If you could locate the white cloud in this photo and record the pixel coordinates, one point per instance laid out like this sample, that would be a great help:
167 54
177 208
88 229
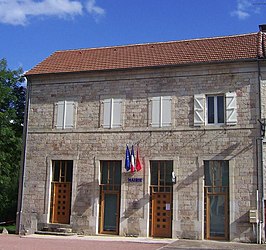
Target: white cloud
244 9
94 10
17 12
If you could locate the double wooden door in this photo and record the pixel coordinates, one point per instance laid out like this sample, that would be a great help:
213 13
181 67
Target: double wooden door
161 215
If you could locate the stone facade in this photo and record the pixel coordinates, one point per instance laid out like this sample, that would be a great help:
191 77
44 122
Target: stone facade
188 146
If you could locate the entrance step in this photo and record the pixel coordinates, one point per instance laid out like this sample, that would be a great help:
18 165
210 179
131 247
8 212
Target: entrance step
56 230
55 233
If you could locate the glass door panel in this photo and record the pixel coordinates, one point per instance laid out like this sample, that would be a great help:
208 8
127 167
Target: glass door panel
217 215
110 212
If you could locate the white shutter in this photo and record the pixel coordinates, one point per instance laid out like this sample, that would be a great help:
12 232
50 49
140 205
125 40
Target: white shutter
231 108
166 109
117 109
199 110
107 113
60 108
155 111
69 114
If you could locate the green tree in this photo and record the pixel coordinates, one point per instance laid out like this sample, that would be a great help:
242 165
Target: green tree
12 104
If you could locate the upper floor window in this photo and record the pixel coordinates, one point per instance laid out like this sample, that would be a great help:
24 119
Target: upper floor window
65 114
215 109
161 109
112 113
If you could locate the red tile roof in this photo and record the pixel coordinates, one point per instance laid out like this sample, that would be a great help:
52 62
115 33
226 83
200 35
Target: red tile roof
208 50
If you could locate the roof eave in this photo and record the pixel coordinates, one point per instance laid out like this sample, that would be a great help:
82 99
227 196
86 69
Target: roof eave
147 67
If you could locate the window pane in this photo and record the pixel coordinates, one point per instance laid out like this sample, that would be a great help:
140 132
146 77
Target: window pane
225 173
154 173
162 173
69 171
55 170
117 173
210 109
220 109
168 174
207 173
104 170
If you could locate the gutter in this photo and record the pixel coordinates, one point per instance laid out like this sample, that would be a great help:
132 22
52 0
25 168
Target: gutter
19 226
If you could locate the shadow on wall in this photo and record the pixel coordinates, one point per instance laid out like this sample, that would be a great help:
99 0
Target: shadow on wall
134 206
85 198
243 231
200 168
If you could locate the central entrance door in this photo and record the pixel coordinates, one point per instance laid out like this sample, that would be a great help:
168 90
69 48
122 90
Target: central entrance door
61 186
110 197
216 200
161 201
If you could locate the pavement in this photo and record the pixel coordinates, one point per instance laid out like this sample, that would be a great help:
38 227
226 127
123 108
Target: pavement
116 242
169 244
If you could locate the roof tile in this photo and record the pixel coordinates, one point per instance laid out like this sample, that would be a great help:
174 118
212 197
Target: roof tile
228 48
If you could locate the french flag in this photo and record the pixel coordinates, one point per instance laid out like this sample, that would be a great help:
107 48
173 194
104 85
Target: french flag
132 162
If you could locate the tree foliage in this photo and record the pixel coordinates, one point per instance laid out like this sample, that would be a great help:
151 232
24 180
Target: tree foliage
12 103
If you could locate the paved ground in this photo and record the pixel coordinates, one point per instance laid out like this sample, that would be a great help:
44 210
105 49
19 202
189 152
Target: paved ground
14 242
39 242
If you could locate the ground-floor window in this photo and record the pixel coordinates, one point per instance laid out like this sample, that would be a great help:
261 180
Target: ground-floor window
161 198
216 197
61 186
110 195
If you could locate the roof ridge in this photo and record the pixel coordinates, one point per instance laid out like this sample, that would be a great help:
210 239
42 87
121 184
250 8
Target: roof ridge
155 43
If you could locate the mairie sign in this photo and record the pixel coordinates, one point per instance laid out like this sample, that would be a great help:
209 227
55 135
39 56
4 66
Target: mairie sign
134 179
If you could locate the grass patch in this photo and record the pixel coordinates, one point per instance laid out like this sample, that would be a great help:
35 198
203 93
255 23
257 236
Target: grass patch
10 228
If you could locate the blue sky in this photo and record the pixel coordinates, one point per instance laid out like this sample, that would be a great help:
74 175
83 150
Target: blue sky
31 30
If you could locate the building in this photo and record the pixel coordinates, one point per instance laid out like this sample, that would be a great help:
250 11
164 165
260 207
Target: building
194 110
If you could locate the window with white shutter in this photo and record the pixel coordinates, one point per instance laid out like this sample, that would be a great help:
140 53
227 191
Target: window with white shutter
231 108
65 114
199 110
215 109
161 109
112 113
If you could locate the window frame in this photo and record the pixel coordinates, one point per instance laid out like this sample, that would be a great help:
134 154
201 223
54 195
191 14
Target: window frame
162 120
215 110
111 112
62 118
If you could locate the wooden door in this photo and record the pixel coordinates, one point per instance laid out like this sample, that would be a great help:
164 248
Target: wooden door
216 204
110 212
110 195
61 203
161 215
217 217
61 185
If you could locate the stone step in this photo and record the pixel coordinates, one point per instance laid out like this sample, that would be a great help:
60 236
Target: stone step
55 233
63 231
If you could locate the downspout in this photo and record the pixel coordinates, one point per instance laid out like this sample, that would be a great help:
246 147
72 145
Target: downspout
19 226
260 171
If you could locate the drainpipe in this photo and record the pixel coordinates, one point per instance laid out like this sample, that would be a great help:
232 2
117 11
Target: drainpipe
19 225
260 172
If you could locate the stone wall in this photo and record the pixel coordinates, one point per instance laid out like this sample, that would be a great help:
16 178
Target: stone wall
188 146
